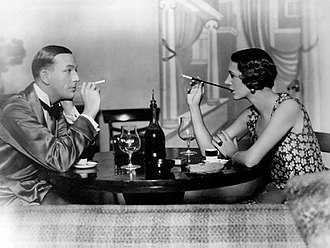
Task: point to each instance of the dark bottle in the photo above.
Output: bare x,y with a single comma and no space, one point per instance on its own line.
154,139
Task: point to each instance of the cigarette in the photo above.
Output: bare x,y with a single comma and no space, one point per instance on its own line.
97,82
185,76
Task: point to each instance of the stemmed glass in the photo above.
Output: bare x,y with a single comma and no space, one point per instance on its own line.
186,133
129,142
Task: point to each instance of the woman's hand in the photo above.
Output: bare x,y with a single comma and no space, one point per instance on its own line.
225,144
90,95
195,94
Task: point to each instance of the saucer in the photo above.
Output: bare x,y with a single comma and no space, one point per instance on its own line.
220,160
88,164
223,161
206,168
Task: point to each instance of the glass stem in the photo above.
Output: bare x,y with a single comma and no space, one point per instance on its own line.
130,158
188,145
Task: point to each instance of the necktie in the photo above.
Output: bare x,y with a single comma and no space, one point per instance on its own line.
54,113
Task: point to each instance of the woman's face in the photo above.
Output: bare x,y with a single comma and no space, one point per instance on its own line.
234,80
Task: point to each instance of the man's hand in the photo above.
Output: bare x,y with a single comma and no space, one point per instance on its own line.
67,106
90,95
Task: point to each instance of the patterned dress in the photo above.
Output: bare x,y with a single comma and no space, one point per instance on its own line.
295,154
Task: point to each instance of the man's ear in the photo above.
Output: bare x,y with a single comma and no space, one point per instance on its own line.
44,77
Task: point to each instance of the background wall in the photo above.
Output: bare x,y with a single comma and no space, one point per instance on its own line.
323,34
118,40
115,40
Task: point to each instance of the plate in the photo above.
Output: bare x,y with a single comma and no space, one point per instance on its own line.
89,164
205,168
221,160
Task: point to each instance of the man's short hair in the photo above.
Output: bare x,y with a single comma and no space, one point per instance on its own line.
45,58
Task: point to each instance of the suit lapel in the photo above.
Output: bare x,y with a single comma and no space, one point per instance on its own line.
32,98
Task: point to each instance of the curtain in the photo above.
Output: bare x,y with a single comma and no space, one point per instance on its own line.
188,27
255,16
301,63
309,63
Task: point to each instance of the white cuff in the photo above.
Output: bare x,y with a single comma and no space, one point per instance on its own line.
95,125
73,116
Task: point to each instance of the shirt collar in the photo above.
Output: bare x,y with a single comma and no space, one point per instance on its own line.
41,94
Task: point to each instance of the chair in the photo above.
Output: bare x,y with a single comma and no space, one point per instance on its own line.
112,116
324,141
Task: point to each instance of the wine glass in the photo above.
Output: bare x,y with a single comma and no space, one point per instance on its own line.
129,142
186,133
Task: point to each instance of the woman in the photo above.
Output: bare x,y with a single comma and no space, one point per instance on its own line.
279,126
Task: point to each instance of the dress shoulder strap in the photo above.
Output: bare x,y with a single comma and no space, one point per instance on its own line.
286,96
281,98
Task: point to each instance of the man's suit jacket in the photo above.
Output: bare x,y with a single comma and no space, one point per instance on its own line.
27,147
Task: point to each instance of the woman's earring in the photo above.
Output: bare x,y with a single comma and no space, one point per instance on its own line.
252,91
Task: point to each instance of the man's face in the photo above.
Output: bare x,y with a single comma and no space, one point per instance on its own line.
63,78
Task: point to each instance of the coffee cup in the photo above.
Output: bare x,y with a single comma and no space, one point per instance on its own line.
211,155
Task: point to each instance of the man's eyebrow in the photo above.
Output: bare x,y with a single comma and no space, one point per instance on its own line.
71,66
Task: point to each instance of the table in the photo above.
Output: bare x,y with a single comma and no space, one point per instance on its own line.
169,189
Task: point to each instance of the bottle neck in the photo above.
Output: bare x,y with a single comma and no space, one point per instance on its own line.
153,107
154,119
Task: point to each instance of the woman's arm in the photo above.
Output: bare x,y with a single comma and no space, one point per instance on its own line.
239,127
287,116
203,137
226,141
194,98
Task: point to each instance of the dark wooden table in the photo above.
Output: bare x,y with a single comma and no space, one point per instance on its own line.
137,188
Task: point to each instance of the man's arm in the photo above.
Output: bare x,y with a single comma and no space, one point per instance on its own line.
70,111
56,153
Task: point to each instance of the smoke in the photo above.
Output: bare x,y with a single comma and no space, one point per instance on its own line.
11,53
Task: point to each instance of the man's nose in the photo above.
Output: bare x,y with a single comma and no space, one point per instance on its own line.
75,77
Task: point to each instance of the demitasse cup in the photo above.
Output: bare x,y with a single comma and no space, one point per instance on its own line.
211,155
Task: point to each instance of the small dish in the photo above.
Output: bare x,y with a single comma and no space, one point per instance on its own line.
221,160
206,168
86,172
88,164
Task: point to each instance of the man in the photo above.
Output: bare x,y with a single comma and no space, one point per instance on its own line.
34,139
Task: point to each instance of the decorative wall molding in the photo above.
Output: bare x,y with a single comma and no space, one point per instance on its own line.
227,30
